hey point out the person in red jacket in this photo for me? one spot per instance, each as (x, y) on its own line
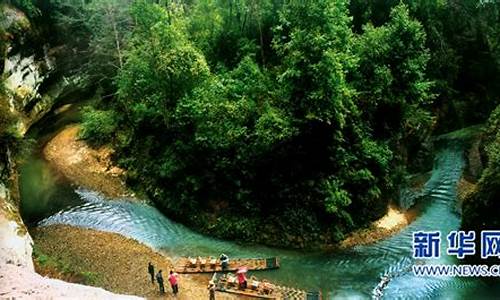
(242, 280)
(173, 278)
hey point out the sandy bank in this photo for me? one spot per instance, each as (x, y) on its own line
(90, 168)
(393, 222)
(18, 279)
(120, 263)
(465, 188)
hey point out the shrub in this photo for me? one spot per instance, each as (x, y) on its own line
(98, 126)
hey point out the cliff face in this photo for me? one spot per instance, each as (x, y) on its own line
(32, 82)
(15, 242)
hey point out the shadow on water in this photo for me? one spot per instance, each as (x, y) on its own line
(349, 274)
(43, 190)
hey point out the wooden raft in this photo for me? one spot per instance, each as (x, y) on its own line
(210, 265)
(262, 289)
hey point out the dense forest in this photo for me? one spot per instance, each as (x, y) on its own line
(479, 209)
(282, 122)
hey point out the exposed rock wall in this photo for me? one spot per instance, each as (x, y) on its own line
(29, 69)
(23, 73)
(15, 242)
(474, 163)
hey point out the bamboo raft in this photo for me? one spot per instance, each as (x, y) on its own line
(210, 264)
(262, 289)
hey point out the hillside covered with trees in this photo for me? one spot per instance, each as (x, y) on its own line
(271, 120)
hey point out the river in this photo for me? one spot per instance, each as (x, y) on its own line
(47, 198)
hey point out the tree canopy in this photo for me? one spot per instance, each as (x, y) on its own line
(288, 118)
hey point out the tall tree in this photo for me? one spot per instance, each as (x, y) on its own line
(392, 82)
(314, 42)
(161, 66)
(97, 31)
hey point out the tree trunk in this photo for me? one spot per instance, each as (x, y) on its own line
(109, 12)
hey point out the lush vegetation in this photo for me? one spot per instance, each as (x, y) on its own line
(481, 207)
(463, 38)
(285, 122)
(246, 143)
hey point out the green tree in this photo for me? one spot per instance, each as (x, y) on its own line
(205, 25)
(272, 110)
(28, 6)
(229, 30)
(161, 66)
(314, 42)
(97, 31)
(480, 207)
(98, 126)
(463, 42)
(393, 85)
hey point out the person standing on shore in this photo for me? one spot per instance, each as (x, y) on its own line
(211, 290)
(159, 279)
(173, 278)
(151, 271)
(224, 261)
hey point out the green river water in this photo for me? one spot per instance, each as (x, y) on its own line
(47, 198)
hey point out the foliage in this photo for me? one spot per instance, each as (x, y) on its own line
(205, 25)
(464, 50)
(467, 134)
(90, 278)
(393, 88)
(479, 209)
(97, 32)
(162, 66)
(392, 84)
(28, 6)
(97, 125)
(229, 30)
(244, 136)
(279, 112)
(314, 41)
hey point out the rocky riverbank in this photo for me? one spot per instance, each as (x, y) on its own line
(119, 264)
(85, 166)
(18, 279)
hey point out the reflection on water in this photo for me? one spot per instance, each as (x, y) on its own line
(42, 191)
(351, 274)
